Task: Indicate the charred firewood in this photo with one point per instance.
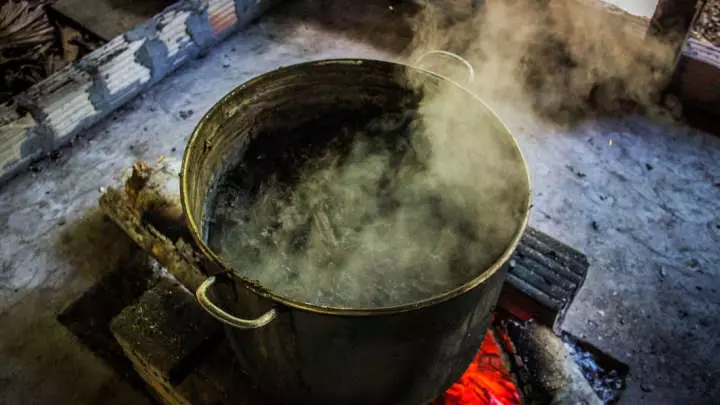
(547, 371)
(147, 193)
(145, 210)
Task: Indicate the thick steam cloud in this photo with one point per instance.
(401, 209)
(564, 60)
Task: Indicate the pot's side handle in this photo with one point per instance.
(227, 318)
(456, 57)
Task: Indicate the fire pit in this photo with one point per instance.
(184, 359)
(429, 343)
(487, 381)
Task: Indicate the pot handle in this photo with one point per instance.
(470, 69)
(224, 317)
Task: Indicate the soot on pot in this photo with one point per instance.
(362, 219)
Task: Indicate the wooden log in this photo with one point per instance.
(548, 368)
(178, 257)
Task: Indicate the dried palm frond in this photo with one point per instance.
(26, 40)
(23, 25)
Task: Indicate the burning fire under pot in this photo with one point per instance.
(367, 342)
(522, 362)
(487, 381)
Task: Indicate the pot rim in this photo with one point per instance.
(266, 293)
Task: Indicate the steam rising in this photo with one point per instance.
(563, 59)
(379, 218)
(406, 206)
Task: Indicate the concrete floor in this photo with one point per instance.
(644, 209)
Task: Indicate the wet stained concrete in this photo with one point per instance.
(644, 209)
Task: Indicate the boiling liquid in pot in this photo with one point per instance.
(358, 222)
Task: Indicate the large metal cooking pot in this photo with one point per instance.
(297, 352)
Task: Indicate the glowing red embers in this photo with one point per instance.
(486, 381)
